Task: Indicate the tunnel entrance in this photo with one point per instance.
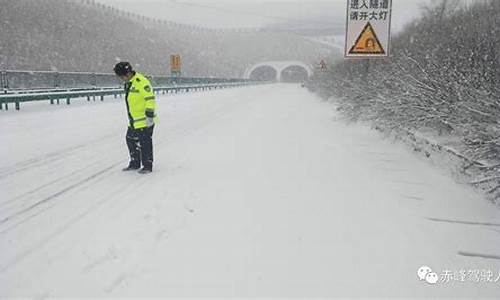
(266, 73)
(294, 74)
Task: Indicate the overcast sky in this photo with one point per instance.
(257, 13)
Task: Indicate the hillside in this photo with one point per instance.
(69, 35)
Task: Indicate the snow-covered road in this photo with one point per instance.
(257, 191)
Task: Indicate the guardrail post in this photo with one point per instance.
(5, 81)
(2, 83)
(51, 100)
(88, 98)
(68, 101)
(17, 105)
(56, 79)
(102, 98)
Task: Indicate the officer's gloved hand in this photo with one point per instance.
(150, 114)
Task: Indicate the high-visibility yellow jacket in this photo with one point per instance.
(141, 102)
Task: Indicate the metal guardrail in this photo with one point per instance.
(27, 86)
(43, 80)
(54, 96)
(16, 92)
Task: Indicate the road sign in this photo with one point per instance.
(175, 64)
(368, 28)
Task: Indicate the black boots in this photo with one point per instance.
(146, 170)
(131, 167)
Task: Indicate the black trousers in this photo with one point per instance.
(140, 146)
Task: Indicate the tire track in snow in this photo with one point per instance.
(16, 199)
(180, 133)
(205, 118)
(57, 195)
(62, 228)
(180, 130)
(47, 158)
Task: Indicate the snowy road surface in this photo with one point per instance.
(257, 191)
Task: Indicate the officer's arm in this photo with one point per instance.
(149, 96)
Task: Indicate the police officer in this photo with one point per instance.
(141, 104)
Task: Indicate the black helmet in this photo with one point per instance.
(123, 68)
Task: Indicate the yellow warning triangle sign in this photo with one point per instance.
(367, 42)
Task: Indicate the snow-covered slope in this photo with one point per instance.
(257, 191)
